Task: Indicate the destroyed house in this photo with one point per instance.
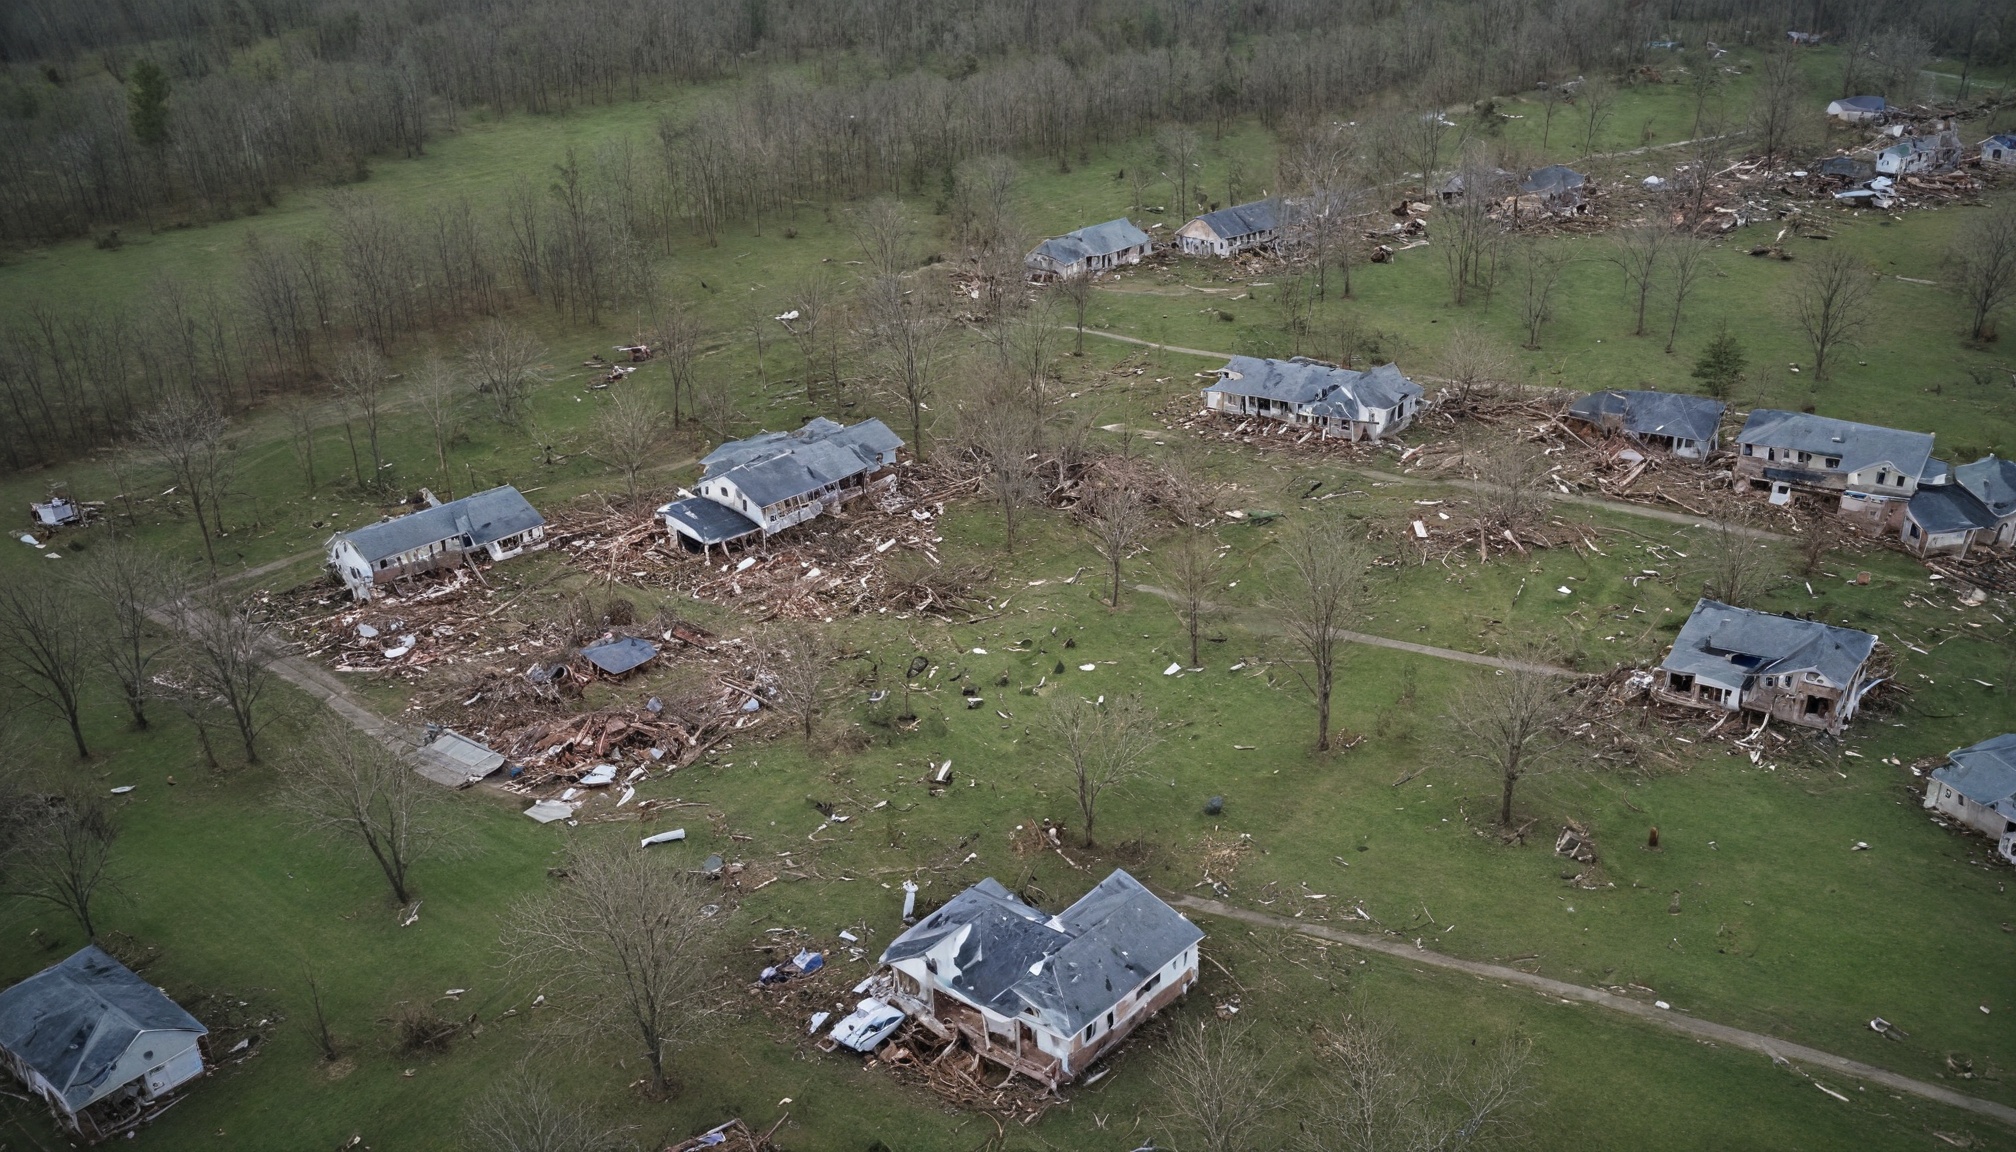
(772, 481)
(1557, 187)
(1321, 397)
(1992, 481)
(1089, 251)
(1920, 154)
(1737, 660)
(1231, 230)
(1855, 109)
(1873, 470)
(1044, 995)
(1675, 421)
(1999, 151)
(1977, 787)
(102, 1047)
(498, 523)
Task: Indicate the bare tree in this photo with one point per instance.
(1117, 522)
(814, 302)
(1687, 259)
(1077, 293)
(523, 1112)
(1831, 301)
(882, 230)
(1514, 476)
(1777, 102)
(1552, 96)
(907, 340)
(317, 1026)
(185, 436)
(45, 649)
(1594, 103)
(1177, 148)
(1536, 271)
(625, 942)
(1319, 587)
(680, 336)
(64, 858)
(1219, 1084)
(129, 582)
(1192, 570)
(628, 430)
(1474, 365)
(1733, 564)
(303, 416)
(1004, 424)
(714, 408)
(360, 384)
(227, 645)
(351, 788)
(1472, 240)
(503, 362)
(1103, 746)
(1984, 261)
(437, 393)
(1639, 251)
(1378, 1096)
(1510, 721)
(802, 662)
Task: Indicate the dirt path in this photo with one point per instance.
(1780, 1051)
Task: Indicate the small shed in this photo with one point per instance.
(1999, 151)
(1856, 109)
(1977, 788)
(620, 656)
(105, 1049)
(452, 760)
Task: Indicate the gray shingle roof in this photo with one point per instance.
(1093, 240)
(483, 518)
(1242, 219)
(451, 759)
(1653, 413)
(1858, 445)
(1863, 103)
(1723, 645)
(1948, 508)
(709, 521)
(1085, 958)
(619, 655)
(1992, 481)
(1325, 391)
(71, 1022)
(775, 466)
(1984, 773)
(1553, 180)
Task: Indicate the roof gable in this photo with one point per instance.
(1858, 445)
(1984, 773)
(1678, 414)
(1241, 219)
(1948, 508)
(1324, 390)
(1093, 240)
(773, 466)
(485, 518)
(73, 1021)
(1992, 480)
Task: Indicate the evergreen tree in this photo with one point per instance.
(147, 100)
(1721, 365)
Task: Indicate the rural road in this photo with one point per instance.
(1780, 1051)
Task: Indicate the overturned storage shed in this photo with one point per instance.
(1329, 400)
(1977, 787)
(102, 1047)
(1737, 660)
(1675, 422)
(1044, 995)
(499, 523)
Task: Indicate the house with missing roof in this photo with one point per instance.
(1555, 188)
(1857, 109)
(1322, 397)
(1039, 994)
(1738, 660)
(1229, 231)
(1089, 251)
(1992, 481)
(499, 523)
(1914, 155)
(1871, 471)
(1674, 422)
(103, 1048)
(1976, 788)
(775, 480)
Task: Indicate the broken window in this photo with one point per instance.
(1680, 681)
(1818, 705)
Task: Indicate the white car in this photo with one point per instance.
(865, 1028)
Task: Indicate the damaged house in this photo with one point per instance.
(1310, 393)
(499, 523)
(1944, 518)
(1675, 422)
(1992, 481)
(1044, 995)
(1872, 471)
(1555, 188)
(1737, 660)
(775, 480)
(1229, 231)
(103, 1048)
(1088, 251)
(1918, 155)
(1858, 109)
(1976, 787)
(1999, 151)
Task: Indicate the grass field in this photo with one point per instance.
(1781, 929)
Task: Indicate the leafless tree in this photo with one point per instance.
(801, 659)
(360, 384)
(226, 649)
(1734, 565)
(1419, 140)
(1776, 103)
(45, 648)
(1192, 570)
(1472, 241)
(1984, 260)
(1514, 476)
(714, 408)
(628, 431)
(1219, 1083)
(1509, 720)
(1551, 98)
(1594, 103)
(680, 336)
(1639, 251)
(1687, 261)
(352, 789)
(1320, 584)
(1004, 424)
(1474, 365)
(128, 583)
(1077, 293)
(1296, 306)
(523, 1112)
(1377, 1095)
(1117, 523)
(815, 299)
(1831, 301)
(185, 435)
(321, 1032)
(304, 417)
(1705, 153)
(1103, 746)
(1818, 539)
(626, 943)
(1536, 271)
(1900, 55)
(907, 342)
(882, 230)
(437, 393)
(64, 856)
(503, 362)
(1177, 148)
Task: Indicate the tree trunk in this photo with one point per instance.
(77, 734)
(1505, 799)
(1323, 713)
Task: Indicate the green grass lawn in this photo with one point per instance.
(1781, 927)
